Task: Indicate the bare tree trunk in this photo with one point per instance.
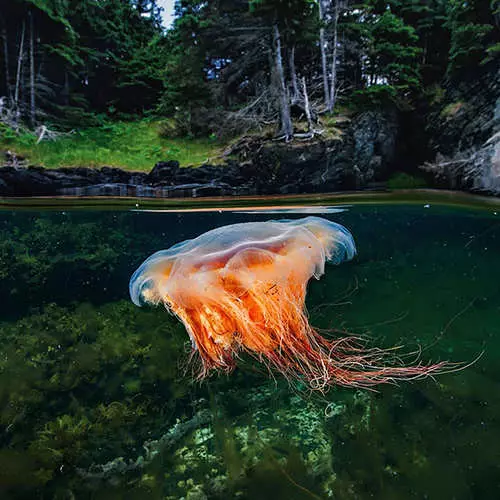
(19, 68)
(306, 105)
(65, 92)
(322, 45)
(424, 52)
(32, 73)
(6, 62)
(286, 119)
(293, 74)
(333, 77)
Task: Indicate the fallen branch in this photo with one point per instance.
(119, 466)
(44, 132)
(480, 166)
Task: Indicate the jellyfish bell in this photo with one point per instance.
(242, 288)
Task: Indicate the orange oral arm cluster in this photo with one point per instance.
(242, 288)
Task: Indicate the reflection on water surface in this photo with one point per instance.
(96, 401)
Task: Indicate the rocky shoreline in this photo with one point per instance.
(457, 146)
(360, 157)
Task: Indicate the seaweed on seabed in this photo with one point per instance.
(80, 386)
(225, 441)
(279, 473)
(257, 460)
(115, 470)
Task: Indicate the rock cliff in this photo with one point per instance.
(464, 130)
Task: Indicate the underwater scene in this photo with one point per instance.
(101, 399)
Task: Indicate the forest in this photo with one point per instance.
(227, 67)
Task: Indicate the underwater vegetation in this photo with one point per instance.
(100, 408)
(75, 260)
(96, 401)
(242, 288)
(86, 380)
(100, 404)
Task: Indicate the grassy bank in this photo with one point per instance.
(133, 146)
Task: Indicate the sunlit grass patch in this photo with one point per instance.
(129, 145)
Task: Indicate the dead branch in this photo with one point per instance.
(481, 167)
(44, 133)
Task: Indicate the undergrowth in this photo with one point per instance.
(402, 180)
(129, 145)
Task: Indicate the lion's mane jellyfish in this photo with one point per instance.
(242, 288)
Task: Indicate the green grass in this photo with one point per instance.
(402, 180)
(132, 146)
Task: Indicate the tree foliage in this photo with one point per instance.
(218, 65)
(90, 57)
(473, 29)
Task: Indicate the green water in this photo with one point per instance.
(96, 400)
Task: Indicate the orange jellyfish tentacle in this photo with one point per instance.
(242, 288)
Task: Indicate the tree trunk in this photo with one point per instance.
(32, 73)
(333, 77)
(5, 39)
(65, 92)
(19, 68)
(286, 120)
(322, 45)
(293, 74)
(306, 105)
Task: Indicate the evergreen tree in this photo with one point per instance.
(475, 32)
(76, 61)
(393, 53)
(66, 60)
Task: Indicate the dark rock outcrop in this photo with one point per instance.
(361, 156)
(465, 132)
